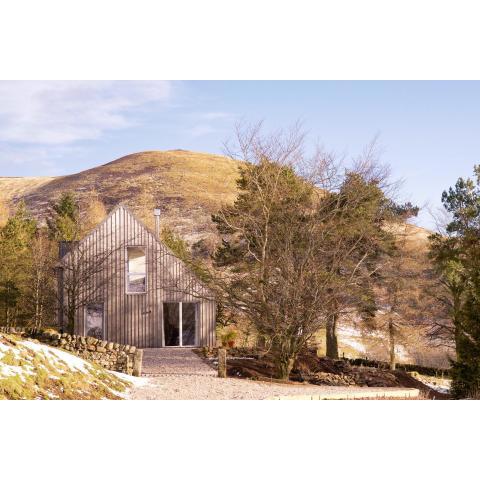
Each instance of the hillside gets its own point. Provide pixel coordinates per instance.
(188, 186)
(30, 370)
(16, 187)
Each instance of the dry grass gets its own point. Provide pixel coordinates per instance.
(28, 374)
(188, 186)
(16, 187)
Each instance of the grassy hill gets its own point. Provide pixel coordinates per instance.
(188, 186)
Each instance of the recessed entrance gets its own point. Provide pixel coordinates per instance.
(180, 324)
(94, 320)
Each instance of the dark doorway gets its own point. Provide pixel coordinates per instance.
(171, 326)
(180, 324)
(94, 320)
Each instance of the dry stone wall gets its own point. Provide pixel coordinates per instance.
(112, 356)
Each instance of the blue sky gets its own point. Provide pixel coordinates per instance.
(429, 131)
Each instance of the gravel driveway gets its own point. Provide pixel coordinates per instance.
(180, 374)
(197, 387)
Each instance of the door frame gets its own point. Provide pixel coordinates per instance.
(180, 326)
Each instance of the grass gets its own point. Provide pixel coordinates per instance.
(18, 186)
(41, 376)
(189, 187)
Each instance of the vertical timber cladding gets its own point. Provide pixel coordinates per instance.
(136, 319)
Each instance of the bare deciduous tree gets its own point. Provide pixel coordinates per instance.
(294, 241)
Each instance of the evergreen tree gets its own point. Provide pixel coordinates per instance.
(457, 258)
(16, 251)
(63, 220)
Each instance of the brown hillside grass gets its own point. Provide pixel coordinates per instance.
(188, 187)
(15, 187)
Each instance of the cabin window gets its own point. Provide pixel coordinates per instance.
(136, 270)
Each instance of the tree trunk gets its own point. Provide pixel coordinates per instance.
(331, 337)
(283, 367)
(284, 359)
(391, 337)
(71, 311)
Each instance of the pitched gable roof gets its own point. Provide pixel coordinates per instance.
(156, 238)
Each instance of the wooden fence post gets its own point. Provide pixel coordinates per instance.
(137, 363)
(222, 363)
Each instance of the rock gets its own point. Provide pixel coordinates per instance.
(109, 346)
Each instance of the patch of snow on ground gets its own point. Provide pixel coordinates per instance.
(352, 337)
(64, 363)
(354, 344)
(441, 385)
(437, 388)
(135, 381)
(11, 371)
(54, 354)
(401, 353)
(350, 331)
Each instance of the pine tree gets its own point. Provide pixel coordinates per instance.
(16, 251)
(457, 258)
(63, 220)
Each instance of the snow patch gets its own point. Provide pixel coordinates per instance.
(354, 344)
(73, 362)
(135, 381)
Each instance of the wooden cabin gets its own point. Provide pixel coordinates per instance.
(129, 288)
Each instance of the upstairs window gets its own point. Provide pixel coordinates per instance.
(136, 270)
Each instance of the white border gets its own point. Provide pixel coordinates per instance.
(305, 39)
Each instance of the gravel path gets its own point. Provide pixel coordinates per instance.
(198, 387)
(174, 361)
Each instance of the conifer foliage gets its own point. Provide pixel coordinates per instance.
(457, 258)
(26, 272)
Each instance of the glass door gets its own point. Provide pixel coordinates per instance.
(179, 324)
(189, 323)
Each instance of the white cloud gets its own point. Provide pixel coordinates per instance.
(63, 112)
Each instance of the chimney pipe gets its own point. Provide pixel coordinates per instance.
(156, 213)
